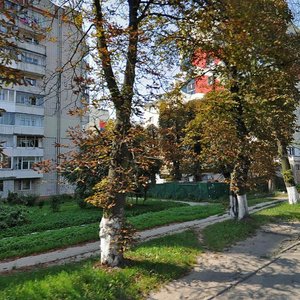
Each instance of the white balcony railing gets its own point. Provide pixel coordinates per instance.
(19, 174)
(37, 48)
(28, 67)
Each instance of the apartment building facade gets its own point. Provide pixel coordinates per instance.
(36, 116)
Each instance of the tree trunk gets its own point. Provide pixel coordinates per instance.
(113, 220)
(176, 171)
(111, 226)
(287, 174)
(238, 180)
(271, 185)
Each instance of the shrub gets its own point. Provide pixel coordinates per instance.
(14, 198)
(55, 203)
(30, 200)
(12, 216)
(65, 197)
(82, 203)
(41, 204)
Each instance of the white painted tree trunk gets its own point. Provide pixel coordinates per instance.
(110, 231)
(233, 207)
(293, 194)
(242, 206)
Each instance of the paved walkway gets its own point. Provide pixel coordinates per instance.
(266, 266)
(77, 253)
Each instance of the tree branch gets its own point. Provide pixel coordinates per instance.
(104, 54)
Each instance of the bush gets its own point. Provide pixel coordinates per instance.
(30, 200)
(65, 197)
(55, 203)
(41, 204)
(14, 198)
(82, 203)
(12, 216)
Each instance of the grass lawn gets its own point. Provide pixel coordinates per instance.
(221, 235)
(152, 264)
(73, 225)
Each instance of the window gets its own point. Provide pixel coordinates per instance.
(6, 95)
(29, 99)
(7, 118)
(23, 185)
(1, 185)
(30, 81)
(210, 80)
(10, 6)
(291, 151)
(25, 162)
(189, 88)
(32, 58)
(3, 28)
(31, 40)
(210, 62)
(28, 141)
(29, 120)
(6, 140)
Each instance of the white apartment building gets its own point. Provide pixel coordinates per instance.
(36, 113)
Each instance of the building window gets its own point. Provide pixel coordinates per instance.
(7, 118)
(291, 151)
(23, 185)
(31, 40)
(29, 120)
(6, 140)
(29, 99)
(6, 95)
(210, 80)
(3, 28)
(26, 162)
(10, 6)
(210, 62)
(189, 88)
(30, 81)
(28, 141)
(32, 58)
(1, 186)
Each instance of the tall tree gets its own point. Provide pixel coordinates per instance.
(249, 39)
(174, 115)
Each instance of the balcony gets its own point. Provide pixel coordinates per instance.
(21, 108)
(27, 67)
(29, 89)
(19, 174)
(33, 110)
(28, 130)
(23, 151)
(32, 47)
(22, 130)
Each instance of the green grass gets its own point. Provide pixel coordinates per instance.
(152, 264)
(41, 241)
(221, 235)
(71, 215)
(150, 220)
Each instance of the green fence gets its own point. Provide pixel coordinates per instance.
(189, 191)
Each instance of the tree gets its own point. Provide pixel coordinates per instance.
(240, 34)
(174, 115)
(131, 42)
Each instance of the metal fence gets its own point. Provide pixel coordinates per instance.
(189, 191)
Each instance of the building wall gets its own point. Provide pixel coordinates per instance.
(40, 63)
